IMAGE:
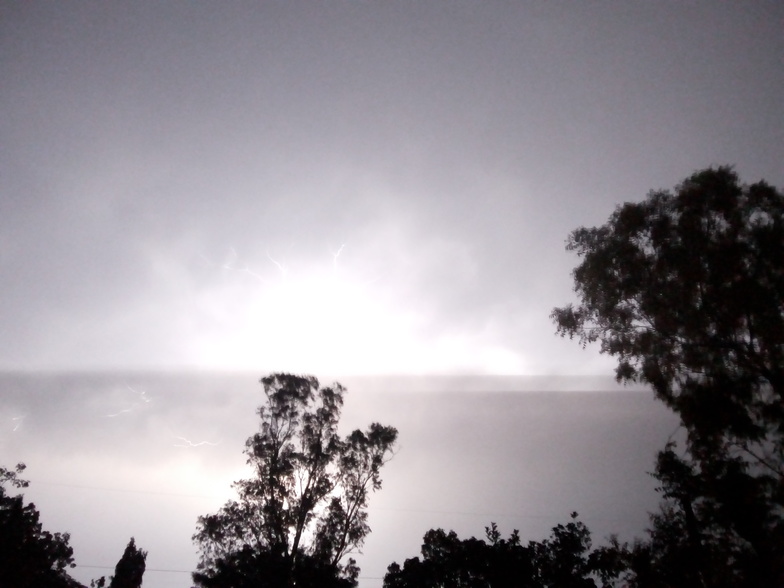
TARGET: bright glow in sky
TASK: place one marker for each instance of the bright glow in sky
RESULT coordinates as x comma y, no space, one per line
342,188
325,319
318,317
160,162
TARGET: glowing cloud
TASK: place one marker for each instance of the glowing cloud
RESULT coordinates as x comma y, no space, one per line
322,317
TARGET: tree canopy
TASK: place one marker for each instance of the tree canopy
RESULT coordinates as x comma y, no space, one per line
564,560
686,289
129,571
29,556
305,508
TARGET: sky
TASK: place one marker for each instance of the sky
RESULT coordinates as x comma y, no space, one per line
113,455
358,189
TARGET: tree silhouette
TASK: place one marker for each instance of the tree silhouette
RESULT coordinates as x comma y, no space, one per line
564,560
686,289
130,569
29,556
305,509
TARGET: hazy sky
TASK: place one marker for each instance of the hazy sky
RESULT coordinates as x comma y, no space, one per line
343,188
116,455
358,187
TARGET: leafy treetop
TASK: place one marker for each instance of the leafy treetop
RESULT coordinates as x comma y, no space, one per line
687,289
305,508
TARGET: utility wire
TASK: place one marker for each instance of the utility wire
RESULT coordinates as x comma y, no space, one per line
372,508
145,570
189,571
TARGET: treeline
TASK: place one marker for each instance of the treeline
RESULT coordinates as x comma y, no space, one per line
31,557
685,289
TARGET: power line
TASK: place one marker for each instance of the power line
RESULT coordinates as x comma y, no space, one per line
190,571
372,508
104,489
145,570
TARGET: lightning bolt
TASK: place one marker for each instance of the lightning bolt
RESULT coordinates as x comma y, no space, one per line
123,411
230,264
335,255
280,266
142,394
142,400
17,422
189,443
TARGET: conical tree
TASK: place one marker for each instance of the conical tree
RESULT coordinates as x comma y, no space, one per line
129,570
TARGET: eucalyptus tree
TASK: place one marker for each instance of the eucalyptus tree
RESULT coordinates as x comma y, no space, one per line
305,508
686,289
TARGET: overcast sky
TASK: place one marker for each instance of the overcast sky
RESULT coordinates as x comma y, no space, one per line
359,187
343,188
116,455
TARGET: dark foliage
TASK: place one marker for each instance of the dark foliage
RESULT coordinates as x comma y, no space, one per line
129,570
263,569
686,289
29,556
564,560
714,530
305,509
